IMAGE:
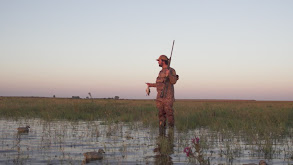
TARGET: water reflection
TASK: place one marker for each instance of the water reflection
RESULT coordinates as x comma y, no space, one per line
19,136
165,147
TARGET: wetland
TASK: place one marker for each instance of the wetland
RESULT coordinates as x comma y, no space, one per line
206,132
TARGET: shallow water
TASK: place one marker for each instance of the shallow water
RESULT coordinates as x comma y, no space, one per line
64,142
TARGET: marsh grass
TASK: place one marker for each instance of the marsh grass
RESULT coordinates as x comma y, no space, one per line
266,119
78,109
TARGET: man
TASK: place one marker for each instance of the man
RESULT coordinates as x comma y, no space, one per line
165,83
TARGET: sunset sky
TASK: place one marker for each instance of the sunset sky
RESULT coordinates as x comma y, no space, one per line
223,49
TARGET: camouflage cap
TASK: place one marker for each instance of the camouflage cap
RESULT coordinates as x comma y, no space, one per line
163,57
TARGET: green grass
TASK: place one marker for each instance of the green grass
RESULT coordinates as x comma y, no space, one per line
78,109
248,116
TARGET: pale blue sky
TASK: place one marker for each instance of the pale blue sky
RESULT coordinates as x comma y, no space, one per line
223,49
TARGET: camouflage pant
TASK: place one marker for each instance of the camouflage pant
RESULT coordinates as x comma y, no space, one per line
166,111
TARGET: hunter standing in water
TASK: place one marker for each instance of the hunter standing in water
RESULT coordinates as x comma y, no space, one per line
165,92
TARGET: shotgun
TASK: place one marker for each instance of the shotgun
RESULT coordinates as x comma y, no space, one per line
169,62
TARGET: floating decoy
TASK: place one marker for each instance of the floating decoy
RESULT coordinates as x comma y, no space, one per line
262,162
23,129
94,155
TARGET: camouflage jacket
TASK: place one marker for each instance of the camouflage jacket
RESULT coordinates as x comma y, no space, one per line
160,83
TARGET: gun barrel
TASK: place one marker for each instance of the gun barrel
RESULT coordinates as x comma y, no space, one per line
171,54
166,87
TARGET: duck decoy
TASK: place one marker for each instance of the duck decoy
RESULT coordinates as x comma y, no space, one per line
94,155
23,129
262,162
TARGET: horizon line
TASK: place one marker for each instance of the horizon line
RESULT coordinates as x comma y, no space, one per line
105,98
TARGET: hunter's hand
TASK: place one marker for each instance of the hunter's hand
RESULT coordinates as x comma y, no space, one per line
148,84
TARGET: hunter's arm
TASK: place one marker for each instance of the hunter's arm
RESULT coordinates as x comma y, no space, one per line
172,76
152,85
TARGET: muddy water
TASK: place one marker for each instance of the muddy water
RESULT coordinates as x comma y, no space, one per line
64,142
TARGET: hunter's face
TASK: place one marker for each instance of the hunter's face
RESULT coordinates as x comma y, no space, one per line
160,62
